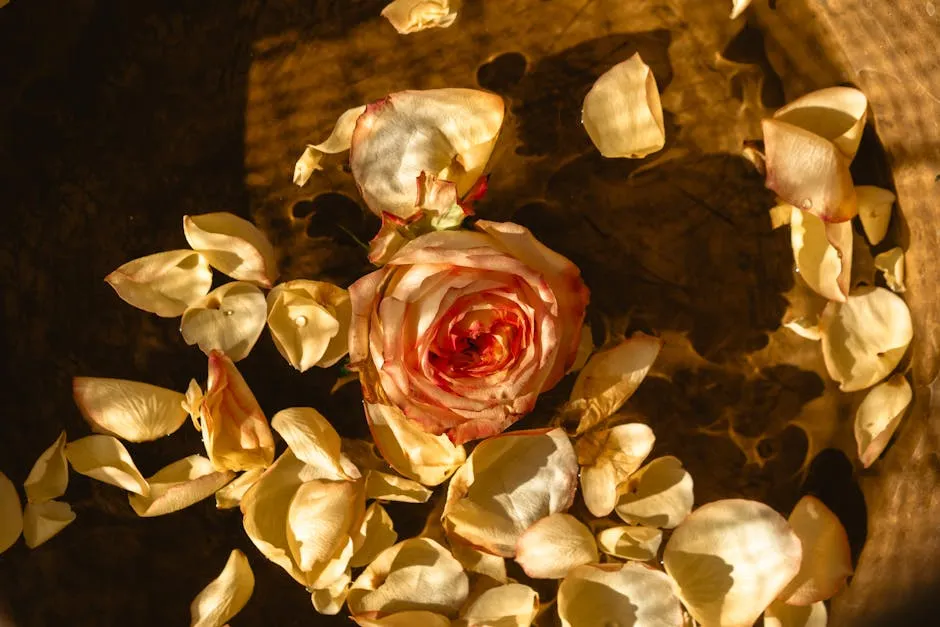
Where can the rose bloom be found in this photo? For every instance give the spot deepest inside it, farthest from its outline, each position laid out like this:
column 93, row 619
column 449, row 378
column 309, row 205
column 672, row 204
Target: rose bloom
column 462, row 330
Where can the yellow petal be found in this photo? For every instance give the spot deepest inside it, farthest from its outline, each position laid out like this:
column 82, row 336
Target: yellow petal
column 614, row 594
column 836, row 114
column 510, row 482
column 821, row 264
column 387, row 487
column 231, row 495
column 338, row 141
column 376, row 534
column 226, row 595
column 480, row 563
column 779, row 614
column 510, row 605
column 43, row 520
column 827, row 559
column 658, row 495
column 878, row 417
column 233, row 246
column 415, row 575
column 780, row 215
column 874, row 211
column 411, row 16
column 192, row 404
column 179, row 485
column 805, row 328
column 554, row 545
column 738, row 7
column 416, row 454
column 730, row 559
column 608, row 458
column 891, row 264
column 104, row 458
column 611, row 377
column 622, row 113
column 50, row 474
column 229, row 319
column 313, row 440
column 864, row 338
column 808, row 172
column 130, row 410
column 631, row 543
column 330, row 600
column 11, row 514
column 165, row 283
column 404, row 619
column 309, row 322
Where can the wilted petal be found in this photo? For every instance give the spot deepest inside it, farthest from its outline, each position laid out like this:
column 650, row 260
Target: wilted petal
column 50, row 474
column 618, row 594
column 827, row 559
column 165, row 283
column 387, row 487
column 233, row 246
column 229, row 319
column 878, row 417
column 180, row 485
column 730, row 559
column 554, row 545
column 404, row 619
column 376, row 534
column 738, row 7
column 510, row 605
column 309, row 322
column 610, row 378
column 417, row 574
column 330, row 600
column 231, row 495
column 622, row 113
column 874, row 211
column 226, row 595
column 837, row 114
column 41, row 521
column 608, row 458
column 11, row 514
column 411, row 16
column 104, row 458
column 133, row 411
column 313, row 440
column 779, row 614
column 864, row 338
column 631, row 543
column 338, row 141
column 658, row 495
column 891, row 264
column 193, row 403
column 821, row 264
column 480, row 563
column 510, row 482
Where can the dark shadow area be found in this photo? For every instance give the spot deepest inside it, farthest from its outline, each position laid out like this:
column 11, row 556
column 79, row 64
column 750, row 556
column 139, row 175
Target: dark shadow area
column 832, row 480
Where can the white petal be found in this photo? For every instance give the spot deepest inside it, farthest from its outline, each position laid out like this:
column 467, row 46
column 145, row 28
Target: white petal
column 554, row 545
column 837, row 114
column 820, row 263
column 631, row 543
column 229, row 319
column 388, row 487
column 510, row 605
column 376, row 534
column 233, row 246
column 41, row 521
column 226, row 595
column 658, row 495
column 179, row 485
column 827, row 559
column 50, row 474
column 618, row 594
column 879, row 415
column 779, row 614
column 874, row 211
column 411, row 16
column 608, row 458
column 231, row 495
column 165, row 283
column 313, row 440
column 11, row 514
column 104, row 458
column 130, row 410
column 891, row 264
column 338, row 141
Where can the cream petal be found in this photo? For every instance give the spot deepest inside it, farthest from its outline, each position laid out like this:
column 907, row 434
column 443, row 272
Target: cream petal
column 226, row 595
column 231, row 495
column 780, row 215
column 615, row 594
column 330, row 600
column 585, row 348
column 608, row 458
column 878, row 417
column 50, row 474
column 130, row 410
column 192, row 404
column 730, row 559
column 808, row 329
column 404, row 619
column 11, row 514
column 309, row 322
column 165, row 283
column 376, row 534
column 658, row 495
column 509, row 605
column 554, row 545
column 827, row 559
column 864, row 338
column 738, row 7
column 836, row 114
column 321, row 517
column 313, row 440
column 387, row 487
column 104, row 458
column 41, row 521
column 411, row 16
column 338, row 141
column 622, row 113
column 818, row 261
column 229, row 319
column 179, row 485
column 891, row 264
column 874, row 211
column 233, row 246
column 779, row 614
column 491, row 566
column 631, row 543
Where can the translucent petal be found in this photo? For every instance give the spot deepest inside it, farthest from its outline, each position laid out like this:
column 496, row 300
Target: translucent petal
column 827, row 559
column 11, row 514
column 41, row 521
column 779, row 614
column 229, row 319
column 608, row 458
column 891, row 264
column 233, row 246
column 231, row 495
column 879, row 415
column 836, row 114
column 824, row 267
column 554, row 545
column 338, row 141
column 193, row 403
column 376, row 534
column 165, row 283
column 631, row 543
column 130, row 410
column 50, row 474
column 104, row 458
column 313, row 440
column 388, row 487
column 330, row 600
column 411, row 16
column 226, row 595
column 658, row 495
column 309, row 322
column 509, row 605
column 874, row 211
column 179, row 485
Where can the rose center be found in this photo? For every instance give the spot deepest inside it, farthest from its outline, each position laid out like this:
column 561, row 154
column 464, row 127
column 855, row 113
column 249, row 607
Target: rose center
column 477, row 343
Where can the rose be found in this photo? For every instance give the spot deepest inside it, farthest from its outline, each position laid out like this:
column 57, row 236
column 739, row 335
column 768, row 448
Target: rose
column 461, row 330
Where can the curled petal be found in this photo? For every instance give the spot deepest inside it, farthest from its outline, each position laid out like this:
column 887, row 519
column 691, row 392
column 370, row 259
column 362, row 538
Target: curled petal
column 874, row 211
column 608, row 458
column 554, row 545
column 825, row 267
column 231, row 495
column 387, row 487
column 631, row 543
column 411, row 16
column 827, row 559
column 780, row 614
column 622, row 113
column 133, row 411
column 738, row 7
column 658, row 495
column 404, row 619
column 179, row 485
column 104, row 458
column 193, row 403
column 730, row 559
column 805, row 328
column 329, row 601
column 338, row 141
column 836, row 114
column 864, row 338
column 480, row 563
column 233, row 246
column 11, row 514
column 376, row 534
column 41, row 521
column 780, row 215
column 165, row 283
column 313, row 440
column 229, row 319
column 50, row 474
column 879, row 415
column 309, row 322
column 509, row 605
column 226, row 595
column 891, row 264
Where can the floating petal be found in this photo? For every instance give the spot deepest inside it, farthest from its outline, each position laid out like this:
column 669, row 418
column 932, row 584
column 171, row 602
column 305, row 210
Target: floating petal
column 874, row 211
column 313, row 440
column 510, row 605
column 411, row 16
column 658, row 495
column 878, row 417
column 827, row 559
column 825, row 267
column 41, row 521
column 104, row 458
column 836, row 114
column 631, row 543
column 608, row 458
column 231, row 495
column 891, row 264
column 130, row 410
column 165, row 283
column 554, row 545
column 388, row 487
column 11, row 514
column 330, row 600
column 309, row 322
column 338, row 141
column 50, row 474
column 226, row 595
column 233, row 246
column 376, row 534
column 179, row 485
column 229, row 319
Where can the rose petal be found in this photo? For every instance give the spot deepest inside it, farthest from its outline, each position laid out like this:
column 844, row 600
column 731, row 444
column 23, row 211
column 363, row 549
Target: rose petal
column 226, row 595
column 779, row 614
column 822, row 265
column 480, row 563
column 376, row 534
column 130, row 410
column 608, row 458
column 658, row 495
column 230, row 319
column 233, row 246
column 411, row 16
column 104, row 458
column 780, row 215
column 874, row 211
column 510, row 605
column 330, row 600
column 508, row 483
column 827, row 559
column 585, row 348
column 878, row 417
column 738, row 7
column 338, row 141
column 11, row 514
column 179, row 485
column 891, row 264
column 41, row 521
column 165, row 283
column 49, row 477
column 611, row 377
column 192, row 404
column 864, row 338
column 554, row 545
column 313, row 440
column 614, row 594
column 808, row 172
column 836, row 114
column 631, row 543
column 622, row 113
column 404, row 619
column 309, row 322
column 231, row 495
column 387, row 487
column 730, row 559
column 805, row 328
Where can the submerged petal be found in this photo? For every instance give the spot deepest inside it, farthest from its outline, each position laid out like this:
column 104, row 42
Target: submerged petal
column 233, row 246
column 11, row 514
column 104, row 458
column 338, row 141
column 41, row 521
column 179, row 485
column 827, row 559
column 411, row 16
column 165, row 283
column 133, row 411
column 554, row 545
column 658, row 495
column 879, row 415
column 50, row 474
column 229, row 319
column 226, row 595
